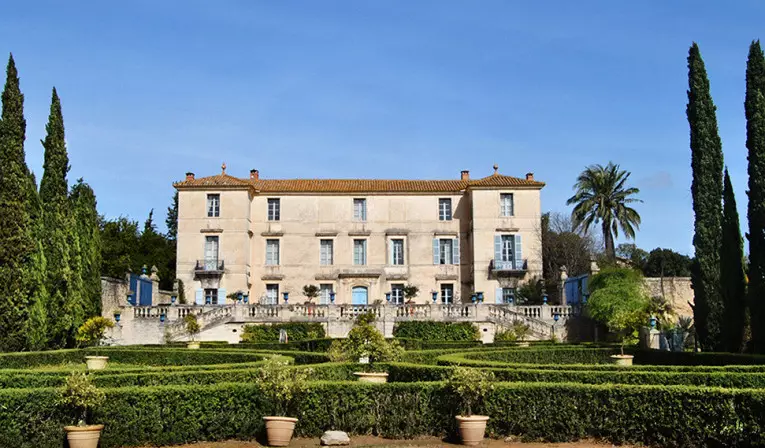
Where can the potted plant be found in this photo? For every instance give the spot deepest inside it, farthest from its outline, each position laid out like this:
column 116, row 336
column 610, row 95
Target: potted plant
column 618, row 301
column 470, row 386
column 522, row 332
column 80, row 396
column 310, row 292
column 280, row 384
column 192, row 328
column 91, row 334
column 410, row 292
column 367, row 346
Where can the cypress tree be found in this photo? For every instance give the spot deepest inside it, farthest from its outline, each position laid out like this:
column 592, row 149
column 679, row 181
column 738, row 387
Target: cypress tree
column 732, row 277
column 172, row 219
column 89, row 236
column 706, row 190
column 65, row 312
column 754, row 107
column 16, row 240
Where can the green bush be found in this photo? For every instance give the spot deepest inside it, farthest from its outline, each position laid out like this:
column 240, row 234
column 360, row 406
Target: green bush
column 416, row 344
column 546, row 355
column 668, row 416
column 296, row 331
column 436, row 331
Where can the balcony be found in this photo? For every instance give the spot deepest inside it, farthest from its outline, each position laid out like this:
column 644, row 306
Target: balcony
column 515, row 267
column 209, row 267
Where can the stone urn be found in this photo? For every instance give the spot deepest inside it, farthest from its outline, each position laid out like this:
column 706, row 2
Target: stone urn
column 622, row 360
column 471, row 428
column 372, row 377
column 193, row 345
column 96, row 362
column 83, row 436
column 279, row 430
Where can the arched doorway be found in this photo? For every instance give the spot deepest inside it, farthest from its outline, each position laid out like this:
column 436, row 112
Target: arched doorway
column 360, row 295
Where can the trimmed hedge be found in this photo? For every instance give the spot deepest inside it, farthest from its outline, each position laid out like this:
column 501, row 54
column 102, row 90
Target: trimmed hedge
column 547, row 355
column 296, row 331
column 436, row 331
column 416, row 344
column 670, row 416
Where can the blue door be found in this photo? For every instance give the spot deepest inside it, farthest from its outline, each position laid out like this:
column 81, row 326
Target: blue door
column 133, row 289
column 359, row 295
column 144, row 299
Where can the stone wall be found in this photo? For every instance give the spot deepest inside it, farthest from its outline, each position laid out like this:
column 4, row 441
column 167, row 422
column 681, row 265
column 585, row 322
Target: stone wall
column 677, row 291
column 114, row 293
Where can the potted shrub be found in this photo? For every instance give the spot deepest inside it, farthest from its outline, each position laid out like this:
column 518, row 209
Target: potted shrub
column 367, row 346
column 191, row 325
column 280, row 384
column 91, row 334
column 470, row 386
column 80, row 396
column 410, row 292
column 618, row 301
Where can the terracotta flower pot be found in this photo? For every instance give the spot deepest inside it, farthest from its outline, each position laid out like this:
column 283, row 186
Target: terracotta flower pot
column 279, row 430
column 622, row 360
column 83, row 436
column 471, row 428
column 96, row 362
column 193, row 345
column 372, row 377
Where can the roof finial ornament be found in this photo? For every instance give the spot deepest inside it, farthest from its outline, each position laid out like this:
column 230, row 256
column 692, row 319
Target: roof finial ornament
column 496, row 169
column 223, row 168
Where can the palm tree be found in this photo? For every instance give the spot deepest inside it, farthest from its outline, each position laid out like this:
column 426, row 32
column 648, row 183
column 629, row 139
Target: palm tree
column 602, row 197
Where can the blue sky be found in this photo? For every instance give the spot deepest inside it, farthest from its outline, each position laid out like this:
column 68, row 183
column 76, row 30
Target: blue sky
column 382, row 89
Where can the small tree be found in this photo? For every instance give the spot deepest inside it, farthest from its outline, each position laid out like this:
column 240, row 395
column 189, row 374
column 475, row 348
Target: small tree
column 410, row 292
column 518, row 331
column 80, row 396
column 280, row 383
column 470, row 386
column 192, row 326
column 364, row 340
column 618, row 301
column 91, row 333
column 311, row 292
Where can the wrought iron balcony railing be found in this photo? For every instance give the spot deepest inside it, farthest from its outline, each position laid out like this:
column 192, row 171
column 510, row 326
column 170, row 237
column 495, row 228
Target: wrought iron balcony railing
column 209, row 266
column 518, row 266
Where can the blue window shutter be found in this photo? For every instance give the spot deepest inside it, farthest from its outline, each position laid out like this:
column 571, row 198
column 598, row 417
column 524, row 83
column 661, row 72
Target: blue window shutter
column 221, row 296
column 497, row 249
column 199, row 299
column 456, row 251
column 498, row 295
column 518, row 253
column 436, row 257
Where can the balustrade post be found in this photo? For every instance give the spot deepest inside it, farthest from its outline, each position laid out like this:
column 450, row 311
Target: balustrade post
column 545, row 313
column 437, row 312
column 481, row 312
column 285, row 313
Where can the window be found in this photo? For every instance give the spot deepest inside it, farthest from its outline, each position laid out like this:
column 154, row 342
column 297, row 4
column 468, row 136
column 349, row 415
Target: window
column 272, row 294
column 211, row 253
column 508, row 295
column 359, row 209
column 211, row 296
column 213, row 205
column 274, row 211
column 326, row 252
column 397, row 293
column 445, row 251
column 447, row 293
column 397, row 252
column 359, row 252
column 508, row 248
column 272, row 252
column 445, row 209
column 325, row 289
column 506, row 204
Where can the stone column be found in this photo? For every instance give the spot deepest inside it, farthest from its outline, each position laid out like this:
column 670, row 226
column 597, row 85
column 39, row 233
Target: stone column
column 154, row 286
column 562, row 299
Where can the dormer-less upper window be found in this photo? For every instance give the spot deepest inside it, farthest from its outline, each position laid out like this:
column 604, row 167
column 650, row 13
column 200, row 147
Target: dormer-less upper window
column 506, row 204
column 213, row 205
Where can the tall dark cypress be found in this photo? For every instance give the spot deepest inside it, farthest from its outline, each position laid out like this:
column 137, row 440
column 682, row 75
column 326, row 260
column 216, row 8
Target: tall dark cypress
column 732, row 276
column 88, row 233
column 706, row 190
column 16, row 241
column 172, row 219
column 60, row 243
column 754, row 107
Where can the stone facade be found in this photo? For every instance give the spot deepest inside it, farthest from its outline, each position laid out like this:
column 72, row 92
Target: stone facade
column 677, row 291
column 230, row 241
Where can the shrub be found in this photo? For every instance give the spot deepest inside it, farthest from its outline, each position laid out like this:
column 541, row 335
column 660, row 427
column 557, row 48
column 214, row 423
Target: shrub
column 191, row 325
column 470, row 386
column 93, row 330
column 518, row 331
column 80, row 396
column 280, row 384
column 546, row 355
column 365, row 341
column 310, row 292
column 437, row 331
column 297, row 331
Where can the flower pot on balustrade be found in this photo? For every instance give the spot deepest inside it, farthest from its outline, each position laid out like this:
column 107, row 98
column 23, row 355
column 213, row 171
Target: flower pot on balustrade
column 622, row 360
column 471, row 428
column 193, row 345
column 372, row 377
column 279, row 430
column 96, row 362
column 83, row 436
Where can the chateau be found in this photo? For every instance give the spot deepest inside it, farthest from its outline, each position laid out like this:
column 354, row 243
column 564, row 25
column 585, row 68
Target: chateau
column 360, row 241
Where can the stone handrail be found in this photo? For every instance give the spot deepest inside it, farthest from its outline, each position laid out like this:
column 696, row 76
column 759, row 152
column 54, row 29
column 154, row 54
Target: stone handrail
column 507, row 315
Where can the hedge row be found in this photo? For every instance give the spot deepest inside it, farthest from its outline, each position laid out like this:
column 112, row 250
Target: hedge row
column 296, row 331
column 669, row 416
column 417, row 344
column 547, row 355
column 436, row 331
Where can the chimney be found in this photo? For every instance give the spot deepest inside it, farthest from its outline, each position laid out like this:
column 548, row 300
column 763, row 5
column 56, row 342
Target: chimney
column 254, row 175
column 189, row 176
column 530, row 176
column 464, row 175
